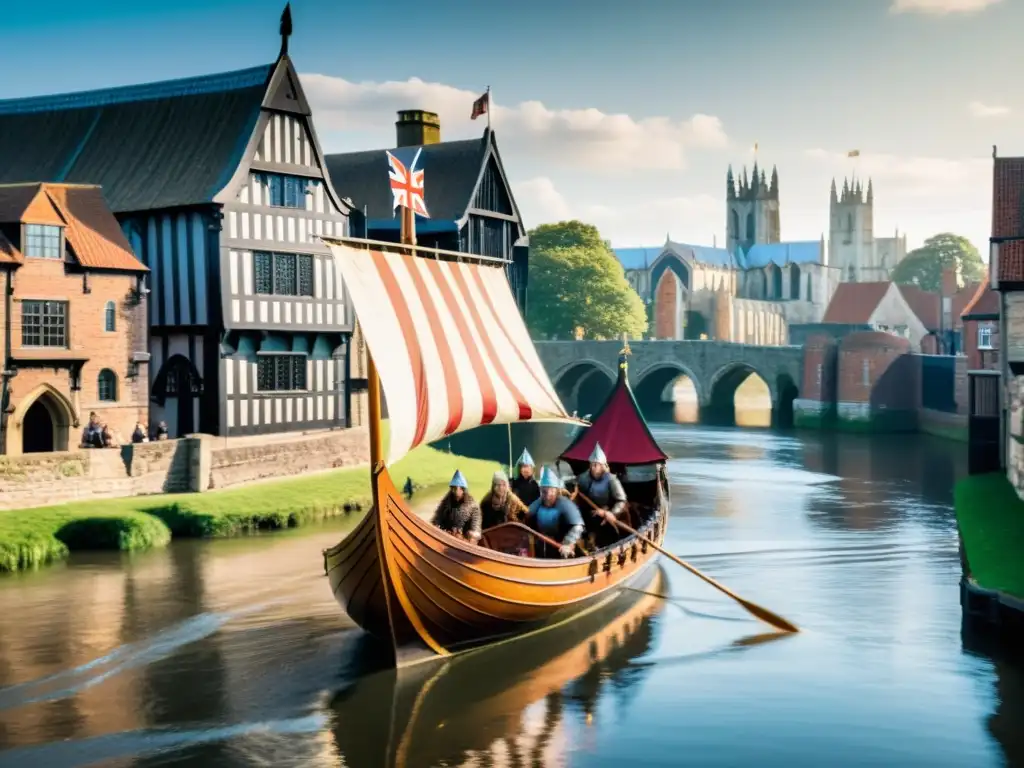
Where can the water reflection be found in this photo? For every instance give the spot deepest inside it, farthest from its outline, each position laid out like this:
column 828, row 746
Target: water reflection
column 501, row 706
column 752, row 401
column 233, row 653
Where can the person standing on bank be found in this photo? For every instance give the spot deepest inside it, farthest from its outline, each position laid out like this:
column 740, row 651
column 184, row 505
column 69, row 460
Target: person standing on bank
column 458, row 513
column 604, row 489
column 524, row 484
column 554, row 515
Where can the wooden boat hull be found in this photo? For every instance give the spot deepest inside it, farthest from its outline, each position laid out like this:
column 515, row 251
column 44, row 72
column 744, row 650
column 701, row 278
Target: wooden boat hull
column 439, row 715
column 430, row 594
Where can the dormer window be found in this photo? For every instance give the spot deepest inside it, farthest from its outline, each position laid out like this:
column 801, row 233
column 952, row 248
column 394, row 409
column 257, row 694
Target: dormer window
column 285, row 191
column 42, row 241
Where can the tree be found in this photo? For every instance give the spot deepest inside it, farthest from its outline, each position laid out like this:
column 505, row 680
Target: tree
column 576, row 281
column 923, row 266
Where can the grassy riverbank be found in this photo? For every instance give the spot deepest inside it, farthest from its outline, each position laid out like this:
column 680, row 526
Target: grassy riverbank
column 30, row 538
column 991, row 520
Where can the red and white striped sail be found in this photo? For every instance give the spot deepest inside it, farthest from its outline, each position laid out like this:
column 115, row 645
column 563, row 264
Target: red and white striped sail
column 450, row 346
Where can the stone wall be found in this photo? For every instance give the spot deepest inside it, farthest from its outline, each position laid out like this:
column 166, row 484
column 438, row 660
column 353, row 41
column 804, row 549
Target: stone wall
column 195, row 463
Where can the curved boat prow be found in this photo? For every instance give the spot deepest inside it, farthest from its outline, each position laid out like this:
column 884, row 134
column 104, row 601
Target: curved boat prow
column 360, row 569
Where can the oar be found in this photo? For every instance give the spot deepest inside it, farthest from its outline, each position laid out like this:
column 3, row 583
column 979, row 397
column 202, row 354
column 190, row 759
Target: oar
column 762, row 613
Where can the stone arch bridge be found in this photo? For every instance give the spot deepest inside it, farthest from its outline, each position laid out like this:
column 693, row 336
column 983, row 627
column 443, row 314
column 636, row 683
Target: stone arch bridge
column 583, row 372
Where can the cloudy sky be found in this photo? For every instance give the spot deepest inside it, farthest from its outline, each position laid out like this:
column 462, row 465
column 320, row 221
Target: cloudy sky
column 624, row 114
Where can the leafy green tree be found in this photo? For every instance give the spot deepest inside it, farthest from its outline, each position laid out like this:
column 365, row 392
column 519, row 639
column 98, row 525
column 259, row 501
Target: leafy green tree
column 923, row 266
column 576, row 282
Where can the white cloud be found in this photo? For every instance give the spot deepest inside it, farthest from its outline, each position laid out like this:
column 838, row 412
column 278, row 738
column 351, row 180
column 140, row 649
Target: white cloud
column 940, row 7
column 981, row 110
column 583, row 138
column 906, row 172
column 644, row 222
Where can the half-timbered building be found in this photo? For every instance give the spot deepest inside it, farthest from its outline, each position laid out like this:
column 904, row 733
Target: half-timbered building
column 218, row 183
column 468, row 196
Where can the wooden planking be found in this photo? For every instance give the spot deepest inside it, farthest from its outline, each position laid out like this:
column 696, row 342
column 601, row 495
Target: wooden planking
column 463, row 593
column 249, row 411
column 174, row 247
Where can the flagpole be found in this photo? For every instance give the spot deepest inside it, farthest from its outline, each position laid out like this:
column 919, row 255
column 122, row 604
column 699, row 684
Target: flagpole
column 490, row 108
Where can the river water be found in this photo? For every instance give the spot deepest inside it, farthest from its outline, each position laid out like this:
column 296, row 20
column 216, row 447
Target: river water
column 234, row 653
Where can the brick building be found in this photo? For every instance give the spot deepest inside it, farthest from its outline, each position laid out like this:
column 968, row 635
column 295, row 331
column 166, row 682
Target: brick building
column 74, row 318
column 1006, row 267
column 980, row 320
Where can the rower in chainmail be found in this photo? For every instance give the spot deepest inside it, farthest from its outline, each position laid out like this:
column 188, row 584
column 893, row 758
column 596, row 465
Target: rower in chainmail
column 604, row 489
column 500, row 505
column 458, row 513
column 554, row 515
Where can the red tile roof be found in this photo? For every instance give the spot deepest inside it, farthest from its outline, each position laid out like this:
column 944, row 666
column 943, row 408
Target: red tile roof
column 926, row 305
column 854, row 303
column 963, row 297
column 1008, row 215
column 90, row 229
column 8, row 253
column 984, row 302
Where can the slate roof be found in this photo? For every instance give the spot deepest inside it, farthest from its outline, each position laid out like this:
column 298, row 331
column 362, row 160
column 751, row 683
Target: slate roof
column 637, row 258
column 451, row 170
column 90, row 229
column 781, row 254
column 854, row 303
column 157, row 145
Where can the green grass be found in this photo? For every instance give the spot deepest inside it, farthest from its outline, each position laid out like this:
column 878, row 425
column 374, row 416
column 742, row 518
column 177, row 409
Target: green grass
column 30, row 538
column 991, row 520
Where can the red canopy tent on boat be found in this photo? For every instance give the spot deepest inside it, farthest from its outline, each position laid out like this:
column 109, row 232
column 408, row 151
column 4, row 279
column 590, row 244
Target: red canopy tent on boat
column 619, row 427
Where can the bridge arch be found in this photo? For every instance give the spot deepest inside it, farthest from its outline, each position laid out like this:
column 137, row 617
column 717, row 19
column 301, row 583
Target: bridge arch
column 584, row 385
column 722, row 386
column 652, row 389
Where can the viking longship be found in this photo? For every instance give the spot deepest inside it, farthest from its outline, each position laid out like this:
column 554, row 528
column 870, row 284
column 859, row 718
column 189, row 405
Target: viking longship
column 476, row 706
column 448, row 347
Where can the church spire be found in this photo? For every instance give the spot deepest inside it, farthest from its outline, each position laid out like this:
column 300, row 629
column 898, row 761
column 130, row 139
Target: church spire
column 774, row 189
column 730, row 186
column 286, row 29
column 871, row 192
column 834, row 197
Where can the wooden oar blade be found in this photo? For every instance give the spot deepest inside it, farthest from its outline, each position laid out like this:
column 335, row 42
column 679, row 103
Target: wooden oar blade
column 768, row 617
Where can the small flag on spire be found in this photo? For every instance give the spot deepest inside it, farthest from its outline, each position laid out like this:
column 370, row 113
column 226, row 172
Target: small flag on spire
column 853, row 153
column 755, row 147
column 481, row 106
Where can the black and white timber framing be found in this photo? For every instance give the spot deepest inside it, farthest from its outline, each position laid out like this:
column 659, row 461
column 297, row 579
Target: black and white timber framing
column 219, row 184
column 472, row 209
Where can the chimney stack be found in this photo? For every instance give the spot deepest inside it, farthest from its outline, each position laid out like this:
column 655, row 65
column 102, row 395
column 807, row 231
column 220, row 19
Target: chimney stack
column 415, row 127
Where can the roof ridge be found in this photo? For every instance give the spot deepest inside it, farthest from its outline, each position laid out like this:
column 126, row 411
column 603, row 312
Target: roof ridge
column 186, row 86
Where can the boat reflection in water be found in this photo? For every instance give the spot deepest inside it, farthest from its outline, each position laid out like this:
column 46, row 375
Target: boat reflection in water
column 475, row 708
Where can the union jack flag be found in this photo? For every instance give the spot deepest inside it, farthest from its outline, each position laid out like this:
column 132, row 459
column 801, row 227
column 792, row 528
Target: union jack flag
column 407, row 185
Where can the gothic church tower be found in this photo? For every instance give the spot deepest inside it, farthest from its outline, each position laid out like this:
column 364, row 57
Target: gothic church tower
column 851, row 245
column 752, row 210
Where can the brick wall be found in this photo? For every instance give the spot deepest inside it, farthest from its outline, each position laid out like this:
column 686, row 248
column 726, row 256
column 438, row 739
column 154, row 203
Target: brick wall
column 877, row 368
column 819, row 380
column 665, row 314
column 172, row 466
column 86, row 339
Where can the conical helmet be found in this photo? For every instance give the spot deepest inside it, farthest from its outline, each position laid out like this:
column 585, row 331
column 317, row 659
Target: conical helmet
column 550, row 479
column 597, row 455
column 458, row 481
column 525, row 459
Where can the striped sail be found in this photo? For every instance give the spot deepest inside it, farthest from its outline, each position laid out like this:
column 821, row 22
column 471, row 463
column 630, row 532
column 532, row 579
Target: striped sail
column 450, row 346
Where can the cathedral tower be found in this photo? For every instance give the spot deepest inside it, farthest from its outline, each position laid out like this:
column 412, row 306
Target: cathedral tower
column 851, row 245
column 752, row 210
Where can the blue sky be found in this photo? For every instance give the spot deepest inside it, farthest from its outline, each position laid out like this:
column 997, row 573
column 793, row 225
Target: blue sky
column 597, row 100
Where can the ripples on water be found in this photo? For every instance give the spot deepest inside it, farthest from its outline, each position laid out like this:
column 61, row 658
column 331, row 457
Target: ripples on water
column 234, row 654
